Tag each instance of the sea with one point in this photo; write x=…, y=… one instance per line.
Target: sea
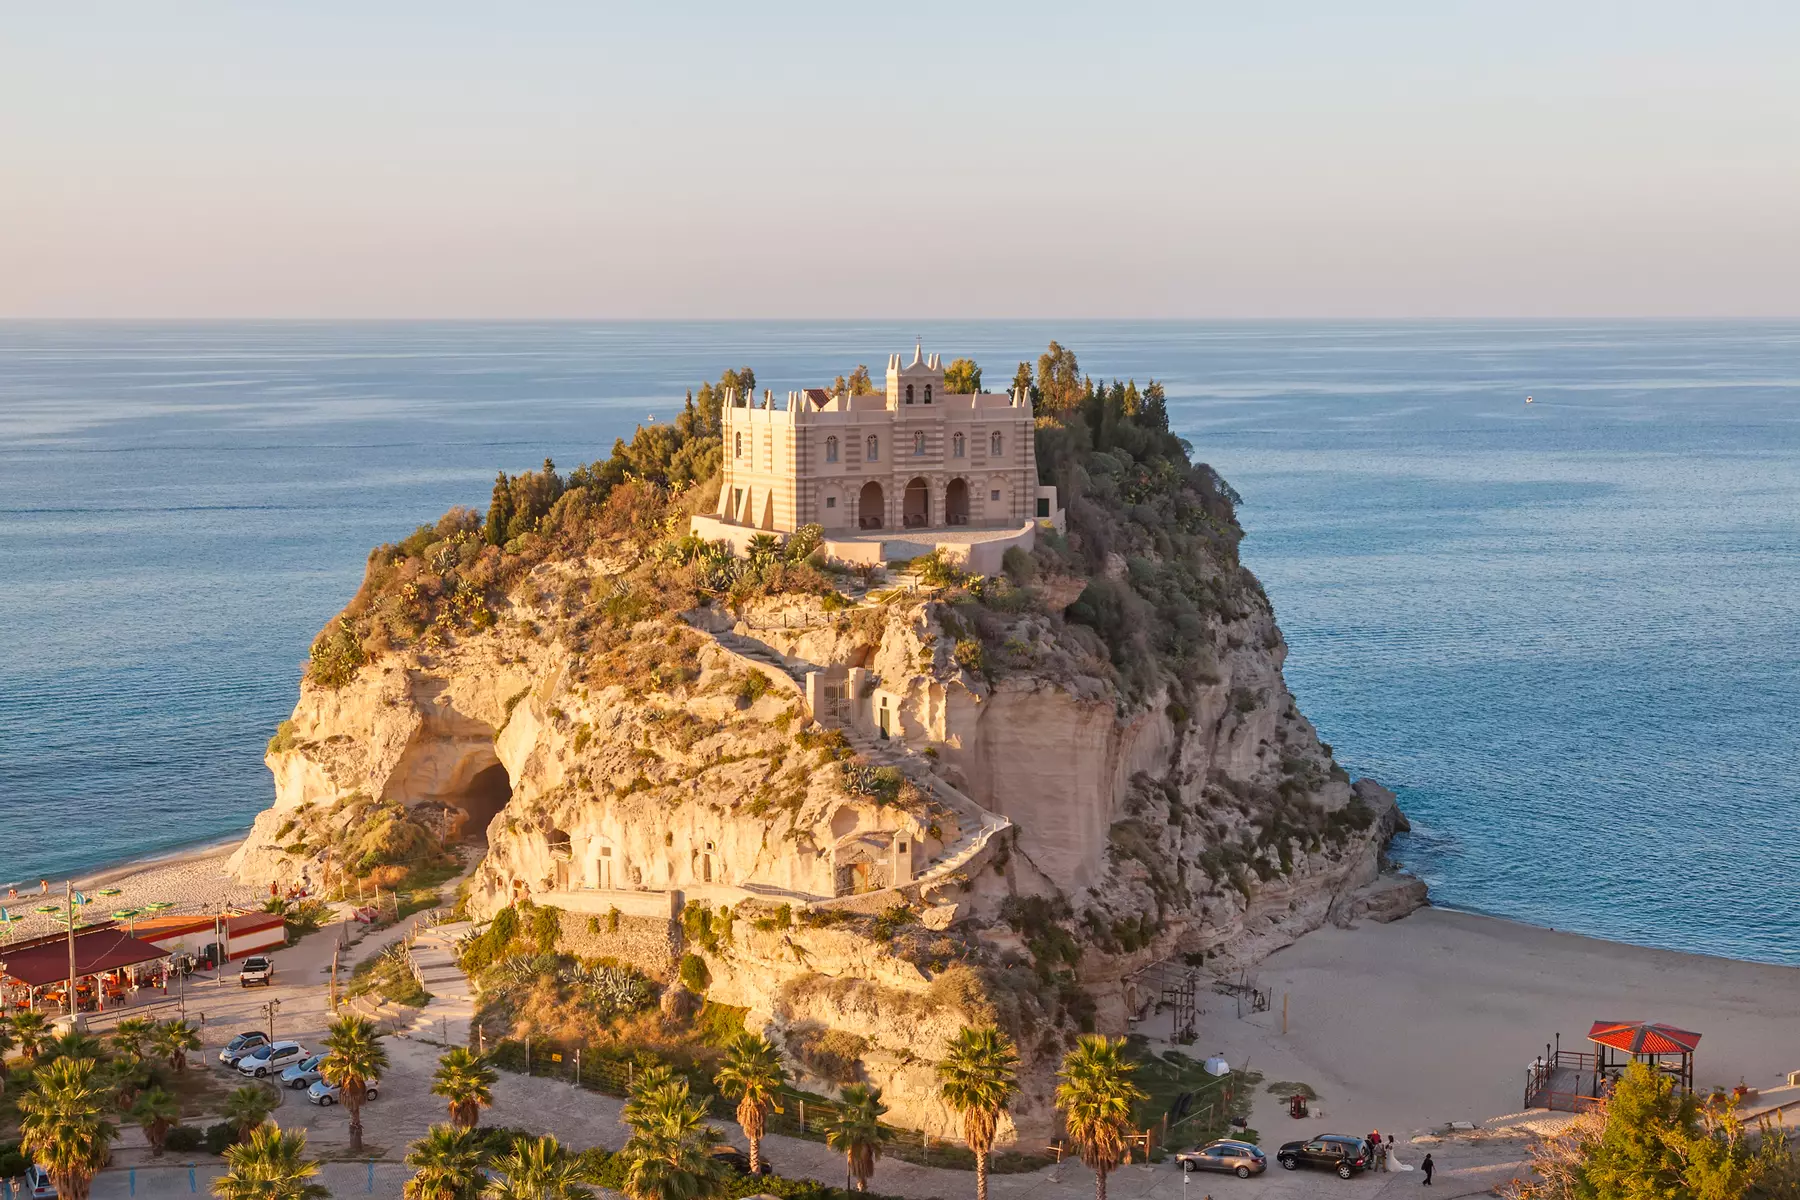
x=1540, y=578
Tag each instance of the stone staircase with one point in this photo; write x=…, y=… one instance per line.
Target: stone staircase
x=976, y=826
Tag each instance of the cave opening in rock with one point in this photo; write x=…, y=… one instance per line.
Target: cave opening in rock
x=485, y=796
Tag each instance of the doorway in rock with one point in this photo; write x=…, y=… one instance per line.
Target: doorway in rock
x=483, y=799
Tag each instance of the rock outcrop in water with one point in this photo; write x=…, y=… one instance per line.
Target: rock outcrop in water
x=1094, y=766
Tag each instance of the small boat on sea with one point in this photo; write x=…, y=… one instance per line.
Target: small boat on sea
x=1528, y=399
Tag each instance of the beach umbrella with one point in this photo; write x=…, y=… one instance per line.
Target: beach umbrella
x=6, y=918
x=159, y=906
x=110, y=892
x=49, y=908
x=125, y=914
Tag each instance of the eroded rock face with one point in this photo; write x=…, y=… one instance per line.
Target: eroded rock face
x=620, y=788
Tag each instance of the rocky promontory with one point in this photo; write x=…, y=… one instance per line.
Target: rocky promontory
x=865, y=807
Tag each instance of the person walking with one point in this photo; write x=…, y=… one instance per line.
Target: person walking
x=1428, y=1167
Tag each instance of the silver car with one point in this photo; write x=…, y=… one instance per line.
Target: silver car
x=327, y=1094
x=1240, y=1158
x=303, y=1073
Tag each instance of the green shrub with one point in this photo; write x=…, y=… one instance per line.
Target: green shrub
x=219, y=1136
x=694, y=974
x=284, y=740
x=13, y=1162
x=752, y=686
x=182, y=1139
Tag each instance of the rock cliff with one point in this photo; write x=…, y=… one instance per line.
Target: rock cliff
x=873, y=807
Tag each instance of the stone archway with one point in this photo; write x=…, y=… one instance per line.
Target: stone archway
x=915, y=510
x=956, y=502
x=870, y=506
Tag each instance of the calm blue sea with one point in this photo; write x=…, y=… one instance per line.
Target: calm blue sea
x=1567, y=634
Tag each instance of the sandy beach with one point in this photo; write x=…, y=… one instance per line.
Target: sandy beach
x=194, y=881
x=1434, y=1018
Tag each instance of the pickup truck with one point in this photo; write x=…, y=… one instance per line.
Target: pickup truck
x=256, y=969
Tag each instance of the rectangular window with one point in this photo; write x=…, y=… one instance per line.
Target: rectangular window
x=1043, y=506
x=831, y=502
x=994, y=495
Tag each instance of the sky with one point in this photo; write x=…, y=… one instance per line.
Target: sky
x=1186, y=160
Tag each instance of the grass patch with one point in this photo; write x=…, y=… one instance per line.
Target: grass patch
x=1214, y=1099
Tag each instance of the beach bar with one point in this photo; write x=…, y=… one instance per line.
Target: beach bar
x=1577, y=1080
x=244, y=933
x=102, y=956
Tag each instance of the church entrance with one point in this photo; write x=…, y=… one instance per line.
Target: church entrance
x=956, y=502
x=916, y=511
x=870, y=504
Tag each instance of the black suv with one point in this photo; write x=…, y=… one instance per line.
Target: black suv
x=1329, y=1151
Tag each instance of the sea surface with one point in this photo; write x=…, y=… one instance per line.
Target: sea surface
x=1567, y=633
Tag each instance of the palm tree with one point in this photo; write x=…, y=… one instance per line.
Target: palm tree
x=272, y=1165
x=1096, y=1097
x=74, y=1044
x=858, y=1132
x=467, y=1083
x=247, y=1110
x=670, y=1154
x=131, y=1035
x=62, y=1125
x=446, y=1165
x=752, y=1075
x=356, y=1060
x=173, y=1040
x=156, y=1112
x=541, y=1169
x=7, y=1041
x=31, y=1029
x=977, y=1079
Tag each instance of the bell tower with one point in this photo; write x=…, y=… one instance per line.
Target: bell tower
x=917, y=383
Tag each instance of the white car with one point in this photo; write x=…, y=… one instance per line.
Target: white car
x=303, y=1073
x=275, y=1057
x=327, y=1094
x=37, y=1184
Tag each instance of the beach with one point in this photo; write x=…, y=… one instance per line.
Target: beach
x=193, y=881
x=1432, y=1019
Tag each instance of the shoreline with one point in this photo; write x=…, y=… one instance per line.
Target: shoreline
x=1434, y=1017
x=188, y=879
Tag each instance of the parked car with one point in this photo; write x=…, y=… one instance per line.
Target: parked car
x=241, y=1045
x=1329, y=1152
x=276, y=1057
x=329, y=1093
x=37, y=1184
x=1240, y=1158
x=256, y=969
x=303, y=1073
x=738, y=1161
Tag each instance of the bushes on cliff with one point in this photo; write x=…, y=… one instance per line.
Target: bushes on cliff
x=1133, y=494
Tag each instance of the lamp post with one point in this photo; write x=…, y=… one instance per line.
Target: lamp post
x=269, y=1009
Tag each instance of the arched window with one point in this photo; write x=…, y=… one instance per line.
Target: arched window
x=928, y=393
x=874, y=448
x=918, y=443
x=737, y=445
x=830, y=449
x=956, y=446
x=994, y=444
x=909, y=393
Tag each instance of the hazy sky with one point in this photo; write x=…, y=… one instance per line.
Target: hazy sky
x=900, y=159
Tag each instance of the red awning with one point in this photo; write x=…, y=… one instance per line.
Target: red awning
x=1642, y=1037
x=43, y=960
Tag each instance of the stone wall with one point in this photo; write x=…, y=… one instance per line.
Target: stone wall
x=651, y=945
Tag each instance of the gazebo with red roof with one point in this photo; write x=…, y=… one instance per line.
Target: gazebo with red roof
x=1663, y=1048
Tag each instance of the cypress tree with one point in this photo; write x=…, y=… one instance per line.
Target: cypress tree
x=499, y=512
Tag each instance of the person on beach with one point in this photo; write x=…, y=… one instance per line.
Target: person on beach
x=43, y=887
x=1428, y=1168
